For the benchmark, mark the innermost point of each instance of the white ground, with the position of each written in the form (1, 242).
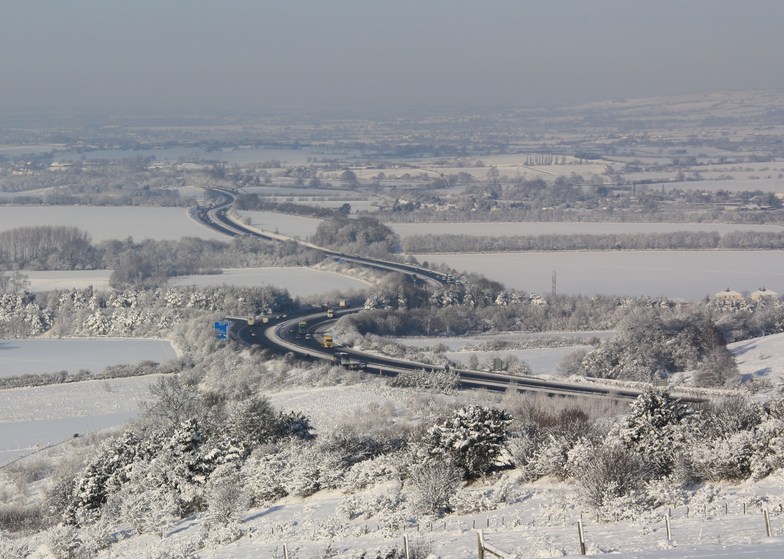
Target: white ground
(39, 416)
(66, 279)
(106, 222)
(44, 355)
(291, 225)
(542, 361)
(299, 281)
(688, 275)
(761, 358)
(540, 524)
(34, 417)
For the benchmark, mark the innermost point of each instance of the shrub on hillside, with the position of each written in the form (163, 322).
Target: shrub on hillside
(473, 437)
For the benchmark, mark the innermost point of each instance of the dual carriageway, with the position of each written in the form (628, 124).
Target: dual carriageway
(280, 333)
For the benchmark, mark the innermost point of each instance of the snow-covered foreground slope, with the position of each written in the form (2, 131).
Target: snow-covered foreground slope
(542, 523)
(761, 358)
(718, 520)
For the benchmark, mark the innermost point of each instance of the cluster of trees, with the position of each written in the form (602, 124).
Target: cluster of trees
(146, 263)
(130, 182)
(364, 235)
(46, 247)
(653, 339)
(185, 456)
(255, 202)
(649, 345)
(130, 311)
(676, 240)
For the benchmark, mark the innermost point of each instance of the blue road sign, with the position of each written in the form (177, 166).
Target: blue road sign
(222, 330)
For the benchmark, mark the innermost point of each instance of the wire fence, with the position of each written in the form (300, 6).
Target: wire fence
(508, 537)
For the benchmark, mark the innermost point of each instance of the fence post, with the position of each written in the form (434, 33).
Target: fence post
(667, 524)
(285, 552)
(480, 545)
(405, 546)
(767, 522)
(582, 536)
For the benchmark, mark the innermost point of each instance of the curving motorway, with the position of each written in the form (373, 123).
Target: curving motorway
(280, 334)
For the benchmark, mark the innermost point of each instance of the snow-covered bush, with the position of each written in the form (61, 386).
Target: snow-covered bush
(471, 501)
(433, 484)
(550, 458)
(656, 429)
(64, 542)
(145, 503)
(724, 459)
(768, 447)
(293, 468)
(473, 437)
(227, 499)
(370, 472)
(352, 444)
(311, 469)
(106, 472)
(262, 473)
(608, 475)
(439, 380)
(11, 549)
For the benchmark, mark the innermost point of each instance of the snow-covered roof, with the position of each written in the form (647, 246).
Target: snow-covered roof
(728, 294)
(763, 293)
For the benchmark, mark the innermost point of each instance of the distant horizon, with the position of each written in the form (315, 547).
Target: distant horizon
(187, 56)
(207, 112)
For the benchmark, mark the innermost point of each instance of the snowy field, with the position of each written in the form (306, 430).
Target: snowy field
(501, 229)
(542, 361)
(46, 355)
(299, 281)
(49, 414)
(291, 225)
(239, 156)
(34, 417)
(107, 222)
(761, 358)
(66, 279)
(689, 275)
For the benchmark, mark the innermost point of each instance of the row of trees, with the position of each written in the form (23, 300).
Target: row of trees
(149, 262)
(47, 247)
(130, 311)
(676, 240)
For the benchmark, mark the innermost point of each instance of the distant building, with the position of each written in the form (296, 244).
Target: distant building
(762, 294)
(728, 295)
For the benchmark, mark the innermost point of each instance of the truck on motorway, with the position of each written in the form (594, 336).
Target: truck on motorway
(302, 328)
(330, 313)
(326, 341)
(349, 361)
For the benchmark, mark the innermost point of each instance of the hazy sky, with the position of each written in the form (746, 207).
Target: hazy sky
(125, 55)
